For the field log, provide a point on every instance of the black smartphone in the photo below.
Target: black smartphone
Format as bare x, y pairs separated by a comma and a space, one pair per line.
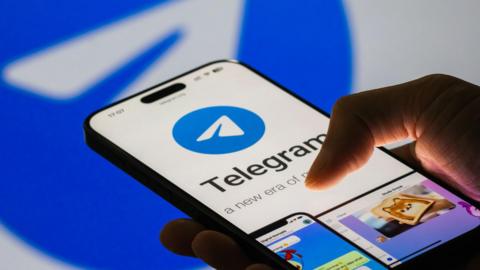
231, 148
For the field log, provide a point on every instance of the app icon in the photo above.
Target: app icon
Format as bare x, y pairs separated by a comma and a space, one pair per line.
79, 65
223, 127
218, 130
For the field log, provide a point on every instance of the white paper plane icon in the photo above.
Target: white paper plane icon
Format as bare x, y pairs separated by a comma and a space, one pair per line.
223, 127
67, 69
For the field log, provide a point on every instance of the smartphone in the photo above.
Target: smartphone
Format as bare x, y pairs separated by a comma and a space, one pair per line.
231, 148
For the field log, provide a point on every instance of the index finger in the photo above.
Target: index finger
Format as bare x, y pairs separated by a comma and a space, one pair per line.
362, 121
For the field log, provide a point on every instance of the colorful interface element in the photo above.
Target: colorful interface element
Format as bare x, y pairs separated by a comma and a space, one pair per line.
307, 244
404, 219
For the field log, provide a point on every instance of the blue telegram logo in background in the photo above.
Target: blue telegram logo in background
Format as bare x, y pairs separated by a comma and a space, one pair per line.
68, 202
218, 130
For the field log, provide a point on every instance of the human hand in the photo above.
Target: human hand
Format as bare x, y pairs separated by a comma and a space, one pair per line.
440, 113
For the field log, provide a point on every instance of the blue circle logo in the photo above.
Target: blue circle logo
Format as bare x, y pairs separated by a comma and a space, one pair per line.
69, 186
218, 130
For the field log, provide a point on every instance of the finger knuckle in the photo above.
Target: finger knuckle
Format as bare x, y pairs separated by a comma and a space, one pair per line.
344, 103
440, 80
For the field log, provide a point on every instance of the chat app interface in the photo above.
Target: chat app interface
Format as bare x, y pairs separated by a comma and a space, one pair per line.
306, 244
403, 219
242, 147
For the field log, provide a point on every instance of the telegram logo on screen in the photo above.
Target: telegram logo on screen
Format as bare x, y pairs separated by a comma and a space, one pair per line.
73, 59
218, 130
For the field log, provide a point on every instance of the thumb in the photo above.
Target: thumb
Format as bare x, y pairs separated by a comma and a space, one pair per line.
360, 122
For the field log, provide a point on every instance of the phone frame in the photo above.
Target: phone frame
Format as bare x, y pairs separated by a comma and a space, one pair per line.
203, 214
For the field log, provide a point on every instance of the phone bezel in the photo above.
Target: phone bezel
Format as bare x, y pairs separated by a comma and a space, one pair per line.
197, 210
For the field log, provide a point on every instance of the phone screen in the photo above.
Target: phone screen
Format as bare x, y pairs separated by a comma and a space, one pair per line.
306, 244
242, 146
